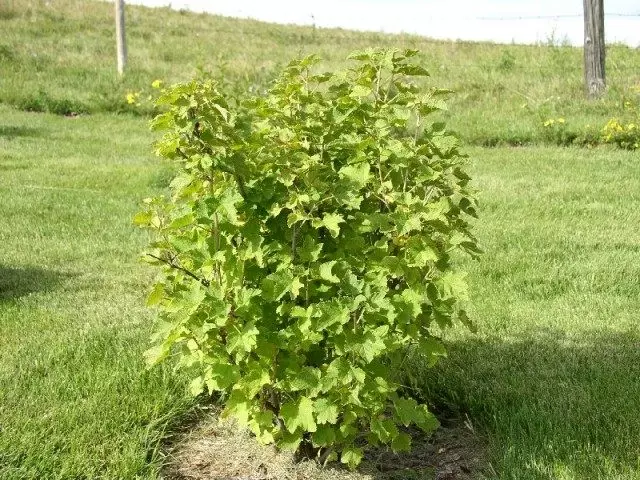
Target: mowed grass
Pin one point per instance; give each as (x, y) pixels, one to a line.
(59, 56)
(553, 375)
(552, 378)
(75, 398)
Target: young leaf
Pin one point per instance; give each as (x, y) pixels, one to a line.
(331, 221)
(325, 272)
(351, 456)
(326, 411)
(357, 173)
(298, 415)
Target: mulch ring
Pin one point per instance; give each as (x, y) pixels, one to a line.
(218, 449)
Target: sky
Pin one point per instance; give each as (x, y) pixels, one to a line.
(502, 21)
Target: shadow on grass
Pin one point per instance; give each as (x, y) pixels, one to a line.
(11, 131)
(18, 282)
(555, 406)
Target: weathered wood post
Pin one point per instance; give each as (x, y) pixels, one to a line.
(120, 36)
(594, 48)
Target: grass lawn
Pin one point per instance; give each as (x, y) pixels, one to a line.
(75, 399)
(553, 377)
(554, 374)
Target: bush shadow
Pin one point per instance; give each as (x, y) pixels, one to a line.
(21, 281)
(553, 401)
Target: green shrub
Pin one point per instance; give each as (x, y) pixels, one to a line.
(307, 244)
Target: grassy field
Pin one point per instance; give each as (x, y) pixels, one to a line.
(59, 56)
(553, 376)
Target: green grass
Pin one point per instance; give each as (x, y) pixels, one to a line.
(554, 374)
(552, 378)
(75, 399)
(60, 57)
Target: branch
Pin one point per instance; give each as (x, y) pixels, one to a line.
(294, 234)
(172, 264)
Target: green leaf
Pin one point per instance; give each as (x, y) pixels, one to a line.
(276, 285)
(412, 70)
(453, 285)
(432, 348)
(359, 173)
(143, 218)
(331, 221)
(324, 436)
(407, 410)
(466, 321)
(298, 415)
(331, 313)
(359, 91)
(384, 429)
(325, 272)
(401, 443)
(361, 55)
(373, 344)
(411, 223)
(427, 421)
(445, 144)
(156, 354)
(244, 340)
(326, 411)
(156, 295)
(182, 221)
(308, 378)
(295, 287)
(221, 376)
(289, 441)
(261, 424)
(294, 218)
(196, 387)
(351, 456)
(238, 406)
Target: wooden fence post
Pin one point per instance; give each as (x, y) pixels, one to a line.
(594, 48)
(120, 36)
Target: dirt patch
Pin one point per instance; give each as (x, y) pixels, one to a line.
(219, 450)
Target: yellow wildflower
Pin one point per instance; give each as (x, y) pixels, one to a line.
(156, 84)
(561, 120)
(131, 98)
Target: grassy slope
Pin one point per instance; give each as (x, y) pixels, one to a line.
(59, 56)
(75, 400)
(553, 374)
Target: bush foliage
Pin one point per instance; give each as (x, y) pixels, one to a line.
(307, 244)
